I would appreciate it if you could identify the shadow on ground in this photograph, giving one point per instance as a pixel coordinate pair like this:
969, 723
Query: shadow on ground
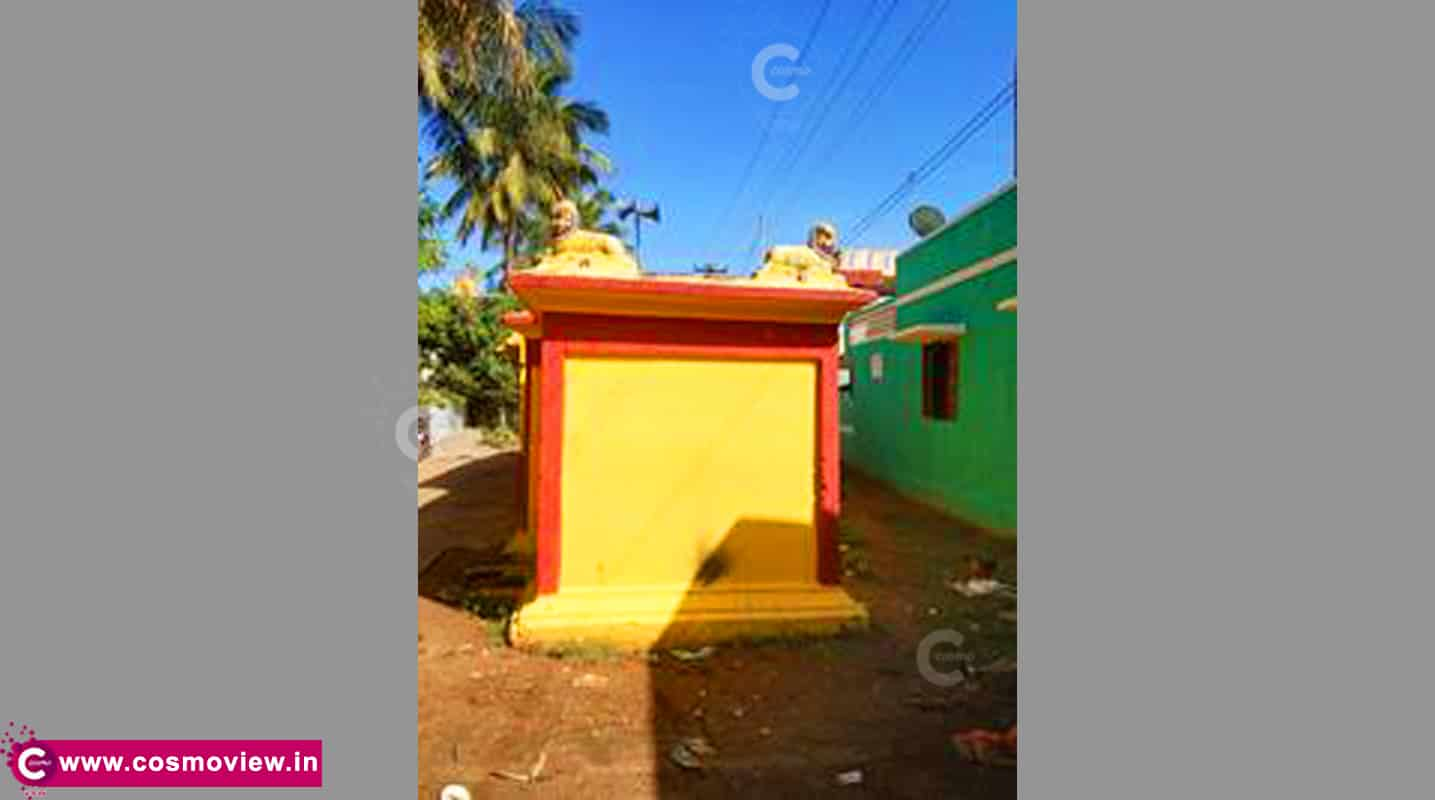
467, 515
786, 717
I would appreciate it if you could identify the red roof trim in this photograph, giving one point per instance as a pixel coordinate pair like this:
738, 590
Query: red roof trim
685, 298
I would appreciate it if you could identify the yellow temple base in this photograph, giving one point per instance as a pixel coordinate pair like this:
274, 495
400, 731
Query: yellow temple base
680, 478
678, 616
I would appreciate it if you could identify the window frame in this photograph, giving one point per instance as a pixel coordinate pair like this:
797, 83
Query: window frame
948, 407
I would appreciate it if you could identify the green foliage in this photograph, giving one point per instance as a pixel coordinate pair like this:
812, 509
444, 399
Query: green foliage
494, 611
491, 90
461, 354
434, 397
432, 253
510, 154
480, 44
500, 437
850, 534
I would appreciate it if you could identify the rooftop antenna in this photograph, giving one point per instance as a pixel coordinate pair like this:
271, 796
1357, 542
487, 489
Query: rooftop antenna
639, 212
757, 244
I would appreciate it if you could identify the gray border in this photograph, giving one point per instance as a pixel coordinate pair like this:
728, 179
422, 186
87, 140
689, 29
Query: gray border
1224, 399
207, 218
207, 325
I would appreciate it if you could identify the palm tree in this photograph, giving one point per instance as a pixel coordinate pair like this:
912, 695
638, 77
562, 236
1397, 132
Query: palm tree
512, 154
432, 253
486, 45
594, 208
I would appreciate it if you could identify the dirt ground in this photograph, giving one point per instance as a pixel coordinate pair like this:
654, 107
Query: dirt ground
784, 718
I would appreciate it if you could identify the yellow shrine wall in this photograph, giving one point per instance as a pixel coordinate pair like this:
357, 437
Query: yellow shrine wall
667, 461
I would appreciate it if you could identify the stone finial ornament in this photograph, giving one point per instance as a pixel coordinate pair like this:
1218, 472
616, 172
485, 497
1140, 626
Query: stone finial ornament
823, 240
581, 252
812, 264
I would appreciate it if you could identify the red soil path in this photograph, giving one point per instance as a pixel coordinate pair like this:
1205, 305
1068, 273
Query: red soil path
784, 717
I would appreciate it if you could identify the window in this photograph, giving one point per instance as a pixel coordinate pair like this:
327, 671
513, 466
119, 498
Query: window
941, 368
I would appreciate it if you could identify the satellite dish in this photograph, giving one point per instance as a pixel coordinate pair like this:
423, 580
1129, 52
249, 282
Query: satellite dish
925, 220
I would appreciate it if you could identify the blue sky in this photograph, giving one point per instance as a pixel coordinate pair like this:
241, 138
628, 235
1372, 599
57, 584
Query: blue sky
687, 118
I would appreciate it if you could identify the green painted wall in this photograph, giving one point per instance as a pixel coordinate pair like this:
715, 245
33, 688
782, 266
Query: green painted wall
984, 231
966, 466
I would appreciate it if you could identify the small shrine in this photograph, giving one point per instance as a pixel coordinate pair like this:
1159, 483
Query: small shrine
680, 476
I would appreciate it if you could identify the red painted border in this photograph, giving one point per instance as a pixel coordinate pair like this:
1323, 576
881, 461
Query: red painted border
716, 335
582, 334
829, 471
686, 299
713, 289
524, 323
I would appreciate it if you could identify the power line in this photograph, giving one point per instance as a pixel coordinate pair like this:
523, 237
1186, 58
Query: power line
934, 162
824, 93
767, 130
802, 143
916, 177
756, 244
864, 108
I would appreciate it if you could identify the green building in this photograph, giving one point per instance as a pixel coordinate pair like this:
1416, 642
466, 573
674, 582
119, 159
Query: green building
929, 400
